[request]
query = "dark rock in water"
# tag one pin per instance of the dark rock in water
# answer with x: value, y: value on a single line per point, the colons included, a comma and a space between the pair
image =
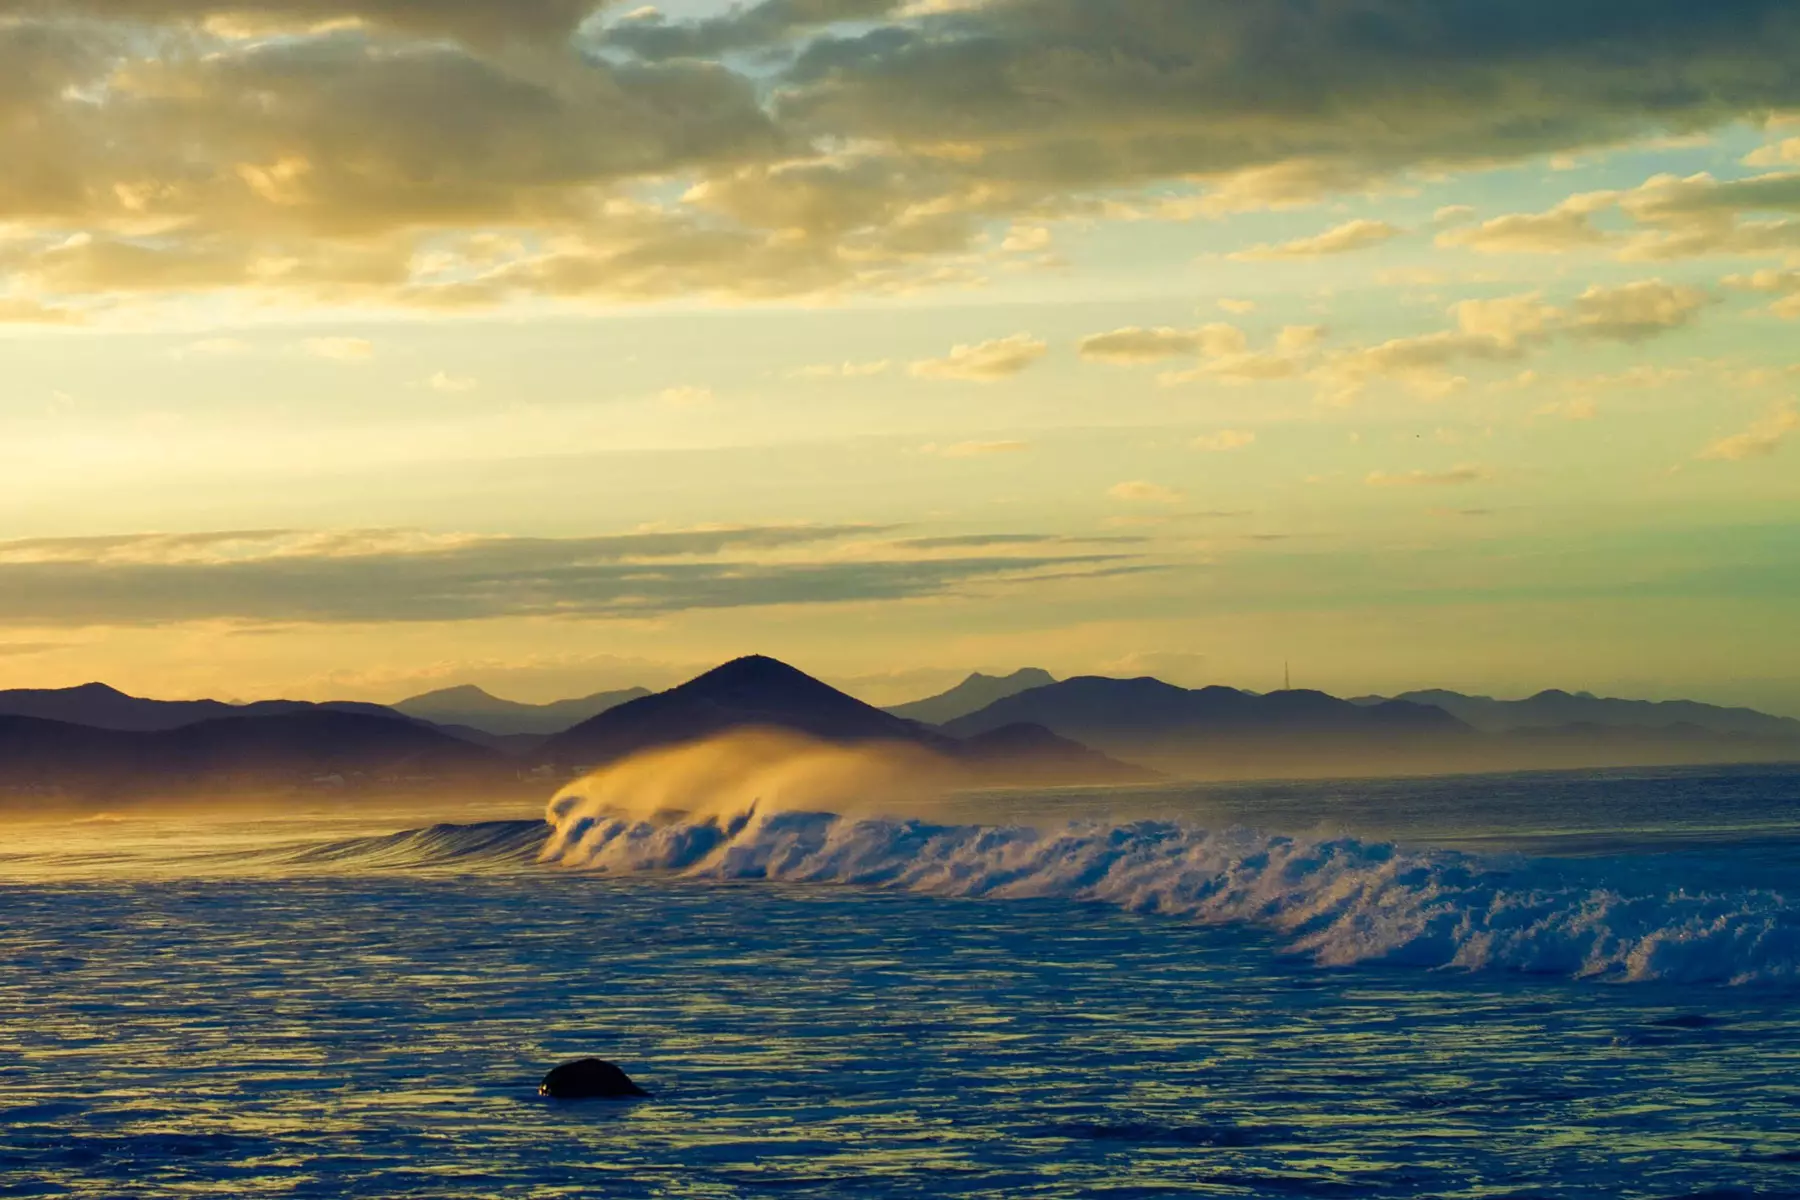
x: 588, y: 1079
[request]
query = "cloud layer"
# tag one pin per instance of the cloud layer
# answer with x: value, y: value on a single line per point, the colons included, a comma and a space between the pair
x: 384, y: 576
x: 457, y: 153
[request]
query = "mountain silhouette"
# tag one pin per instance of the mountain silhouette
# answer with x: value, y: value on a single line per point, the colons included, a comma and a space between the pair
x: 279, y: 750
x: 972, y: 695
x: 1555, y: 707
x: 1217, y: 728
x: 101, y: 707
x: 762, y: 693
x: 746, y: 693
x: 473, y: 708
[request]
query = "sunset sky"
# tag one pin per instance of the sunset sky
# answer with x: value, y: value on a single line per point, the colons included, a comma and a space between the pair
x: 351, y: 348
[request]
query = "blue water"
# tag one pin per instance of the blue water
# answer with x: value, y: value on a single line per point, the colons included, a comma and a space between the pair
x: 1551, y: 985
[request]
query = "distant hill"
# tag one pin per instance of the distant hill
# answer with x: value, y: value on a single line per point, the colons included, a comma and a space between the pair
x: 101, y: 707
x: 1553, y: 708
x: 1022, y: 754
x: 1219, y: 730
x: 472, y: 707
x: 972, y: 695
x: 759, y: 692
x: 281, y: 750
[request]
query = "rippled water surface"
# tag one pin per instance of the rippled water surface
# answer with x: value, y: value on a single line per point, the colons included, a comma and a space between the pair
x: 369, y: 1016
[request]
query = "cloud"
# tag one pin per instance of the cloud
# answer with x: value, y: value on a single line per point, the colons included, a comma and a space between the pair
x: 1700, y: 215
x: 1785, y: 285
x: 1224, y: 440
x: 1133, y: 345
x: 1238, y: 307
x: 456, y: 154
x: 340, y: 349
x: 1502, y: 329
x: 1352, y: 235
x: 464, y: 153
x: 985, y: 362
x: 1508, y: 329
x: 1636, y: 312
x: 1140, y: 492
x: 387, y: 576
x: 1224, y: 349
x: 1759, y: 441
x: 1454, y: 477
x: 1568, y: 226
x: 476, y: 20
x: 976, y: 449
x: 443, y: 381
x: 844, y: 370
x: 1776, y: 154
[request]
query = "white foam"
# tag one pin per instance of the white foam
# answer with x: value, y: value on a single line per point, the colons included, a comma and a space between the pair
x: 1340, y: 901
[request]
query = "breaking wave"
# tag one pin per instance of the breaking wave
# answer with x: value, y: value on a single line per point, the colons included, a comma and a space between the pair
x: 488, y: 843
x: 1339, y: 901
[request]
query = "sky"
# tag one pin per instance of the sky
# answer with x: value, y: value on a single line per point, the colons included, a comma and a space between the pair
x: 354, y: 348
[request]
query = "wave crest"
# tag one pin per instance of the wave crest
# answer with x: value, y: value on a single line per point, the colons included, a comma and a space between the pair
x: 1340, y: 901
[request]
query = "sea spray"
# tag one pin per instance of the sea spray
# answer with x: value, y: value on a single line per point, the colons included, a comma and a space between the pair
x: 1340, y: 901
x: 778, y: 808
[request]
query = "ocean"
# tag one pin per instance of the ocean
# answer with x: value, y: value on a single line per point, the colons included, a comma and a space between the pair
x: 1580, y: 984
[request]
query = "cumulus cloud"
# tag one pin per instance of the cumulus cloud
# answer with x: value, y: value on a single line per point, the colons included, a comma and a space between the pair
x: 1636, y: 311
x: 984, y: 362
x: 1759, y: 441
x: 1502, y: 329
x: 1777, y: 154
x: 1784, y: 285
x: 385, y: 576
x: 1352, y: 235
x: 1568, y: 226
x: 1510, y: 328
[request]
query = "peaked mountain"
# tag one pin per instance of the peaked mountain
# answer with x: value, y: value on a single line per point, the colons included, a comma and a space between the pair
x: 101, y: 707
x: 282, y: 749
x: 1222, y: 730
x: 759, y: 692
x: 1559, y: 708
x: 472, y: 707
x: 745, y: 693
x: 972, y: 695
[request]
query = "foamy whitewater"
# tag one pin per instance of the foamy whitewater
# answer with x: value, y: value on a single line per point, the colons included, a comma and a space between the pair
x: 1341, y: 901
x: 1578, y: 984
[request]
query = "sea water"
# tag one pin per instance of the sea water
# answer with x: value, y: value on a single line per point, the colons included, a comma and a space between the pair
x: 1577, y: 984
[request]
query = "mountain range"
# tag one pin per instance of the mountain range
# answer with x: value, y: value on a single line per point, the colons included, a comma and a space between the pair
x: 762, y: 693
x: 972, y: 695
x: 473, y: 708
x: 1217, y: 730
x: 1552, y: 708
x: 1026, y: 727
